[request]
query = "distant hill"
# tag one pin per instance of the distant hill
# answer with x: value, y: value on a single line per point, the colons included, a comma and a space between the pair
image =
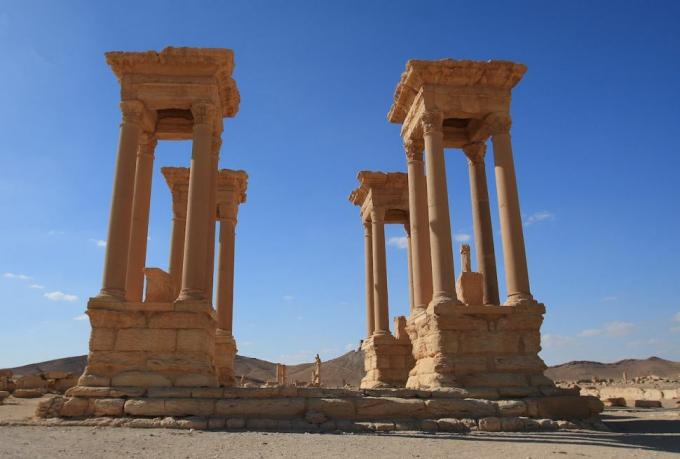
x: 349, y: 368
x: 573, y: 371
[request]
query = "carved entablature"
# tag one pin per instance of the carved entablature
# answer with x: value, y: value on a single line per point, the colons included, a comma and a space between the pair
x: 231, y: 191
x: 386, y: 191
x: 462, y: 93
x: 171, y: 81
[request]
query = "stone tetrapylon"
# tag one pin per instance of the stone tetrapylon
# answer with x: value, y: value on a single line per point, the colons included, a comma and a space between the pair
x: 231, y: 192
x: 494, y: 344
x: 176, y: 94
x: 383, y: 198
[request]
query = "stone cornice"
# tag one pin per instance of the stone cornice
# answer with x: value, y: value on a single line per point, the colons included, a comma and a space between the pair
x: 502, y: 75
x: 370, y: 180
x: 235, y: 181
x: 217, y: 63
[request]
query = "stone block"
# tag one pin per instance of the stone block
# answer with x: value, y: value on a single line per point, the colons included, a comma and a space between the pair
x: 103, y: 318
x: 615, y: 401
x: 88, y: 391
x: 334, y: 408
x: 236, y: 423
x: 140, y: 379
x: 145, y: 407
x: 109, y: 407
x: 189, y: 407
x: 62, y: 385
x: 144, y: 339
x: 217, y: 423
x: 194, y: 340
x: 470, y: 288
x: 315, y: 417
x: 57, y: 374
x: 93, y: 380
x: 638, y: 403
x: 388, y: 407
x: 490, y: 424
x: 74, y: 407
x: 452, y: 425
x: 169, y: 392
x: 181, y: 320
x: 527, y: 364
x: 271, y: 408
x: 207, y: 392
x: 520, y: 321
x: 28, y: 393
x: 530, y: 342
x: 178, y: 362
x: 456, y: 408
x: 30, y: 382
x: 102, y: 339
x: 563, y: 407
x: 512, y: 424
x: 196, y: 380
x: 193, y: 422
x: 512, y: 407
x: 159, y: 287
x: 489, y: 342
x: 494, y: 380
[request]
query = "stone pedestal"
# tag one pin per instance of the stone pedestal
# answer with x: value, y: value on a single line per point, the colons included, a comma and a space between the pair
x: 225, y: 353
x: 387, y: 361
x: 477, y: 347
x: 150, y: 345
x: 470, y: 287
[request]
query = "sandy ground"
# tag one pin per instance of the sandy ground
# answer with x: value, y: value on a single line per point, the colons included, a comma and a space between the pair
x: 635, y: 433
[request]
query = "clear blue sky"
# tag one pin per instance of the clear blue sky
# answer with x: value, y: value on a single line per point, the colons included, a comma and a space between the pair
x: 595, y: 134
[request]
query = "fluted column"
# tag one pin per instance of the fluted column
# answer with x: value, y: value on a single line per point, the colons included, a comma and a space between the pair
x: 212, y: 218
x: 381, y: 312
x: 120, y: 221
x: 196, y: 240
x: 409, y: 257
x: 368, y: 247
x: 225, y: 270
x: 481, y: 220
x: 140, y: 218
x: 179, y: 224
x: 512, y: 235
x: 441, y: 247
x: 419, y: 225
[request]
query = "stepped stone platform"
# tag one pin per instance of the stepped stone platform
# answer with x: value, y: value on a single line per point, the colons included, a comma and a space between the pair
x: 287, y: 408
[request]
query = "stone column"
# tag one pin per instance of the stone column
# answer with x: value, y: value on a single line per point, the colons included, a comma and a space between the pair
x: 441, y: 247
x: 419, y: 226
x: 514, y: 254
x: 368, y: 246
x: 140, y: 218
x: 196, y: 240
x: 120, y: 221
x: 481, y: 220
x: 179, y: 224
x: 225, y: 270
x: 382, y: 326
x: 212, y: 218
x: 409, y: 257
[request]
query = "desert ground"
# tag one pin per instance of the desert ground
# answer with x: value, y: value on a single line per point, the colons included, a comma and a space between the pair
x: 634, y: 433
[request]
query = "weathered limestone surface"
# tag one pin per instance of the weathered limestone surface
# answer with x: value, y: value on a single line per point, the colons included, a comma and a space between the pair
x: 478, y: 346
x: 387, y: 361
x: 150, y: 345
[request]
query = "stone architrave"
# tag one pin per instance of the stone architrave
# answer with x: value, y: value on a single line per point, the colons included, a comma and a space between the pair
x: 231, y: 193
x: 383, y: 199
x: 462, y: 104
x: 175, y: 94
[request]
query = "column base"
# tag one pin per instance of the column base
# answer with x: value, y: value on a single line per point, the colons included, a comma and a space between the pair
x: 473, y: 347
x: 111, y: 295
x: 387, y: 361
x: 145, y: 345
x: 225, y: 354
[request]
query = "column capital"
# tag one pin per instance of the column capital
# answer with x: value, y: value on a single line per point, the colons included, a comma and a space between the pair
x: 378, y: 215
x: 498, y: 123
x: 203, y: 112
x: 432, y: 122
x: 133, y: 111
x: 414, y: 149
x: 227, y: 212
x: 147, y: 144
x: 367, y: 227
x: 216, y: 144
x: 475, y: 152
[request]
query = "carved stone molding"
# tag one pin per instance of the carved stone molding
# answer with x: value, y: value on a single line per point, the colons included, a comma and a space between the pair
x: 203, y: 113
x: 414, y: 149
x: 147, y: 144
x: 498, y: 123
x: 475, y: 151
x: 432, y: 122
x: 132, y: 110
